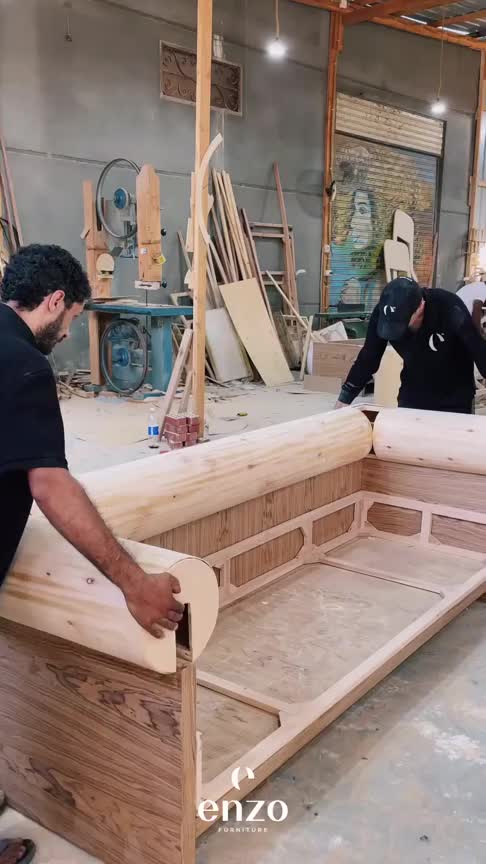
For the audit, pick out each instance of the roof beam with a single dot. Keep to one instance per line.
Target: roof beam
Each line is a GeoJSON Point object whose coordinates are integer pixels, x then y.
{"type": "Point", "coordinates": [430, 32]}
{"type": "Point", "coordinates": [392, 7]}
{"type": "Point", "coordinates": [425, 30]}
{"type": "Point", "coordinates": [330, 5]}
{"type": "Point", "coordinates": [458, 19]}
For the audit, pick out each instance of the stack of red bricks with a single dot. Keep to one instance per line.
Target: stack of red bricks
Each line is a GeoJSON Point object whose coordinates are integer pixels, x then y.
{"type": "Point", "coordinates": [181, 430]}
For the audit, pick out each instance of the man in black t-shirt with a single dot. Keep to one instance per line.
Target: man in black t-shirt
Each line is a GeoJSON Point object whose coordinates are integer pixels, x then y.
{"type": "Point", "coordinates": [43, 290]}
{"type": "Point", "coordinates": [434, 334]}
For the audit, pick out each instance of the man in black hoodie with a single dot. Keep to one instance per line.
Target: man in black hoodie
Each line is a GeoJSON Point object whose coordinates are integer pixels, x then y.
{"type": "Point", "coordinates": [434, 334]}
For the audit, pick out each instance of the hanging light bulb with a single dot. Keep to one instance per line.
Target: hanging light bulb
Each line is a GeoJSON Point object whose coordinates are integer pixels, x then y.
{"type": "Point", "coordinates": [438, 107]}
{"type": "Point", "coordinates": [276, 49]}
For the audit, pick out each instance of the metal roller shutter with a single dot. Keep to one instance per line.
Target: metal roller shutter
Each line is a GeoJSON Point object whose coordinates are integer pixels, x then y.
{"type": "Point", "coordinates": [373, 180]}
{"type": "Point", "coordinates": [387, 125]}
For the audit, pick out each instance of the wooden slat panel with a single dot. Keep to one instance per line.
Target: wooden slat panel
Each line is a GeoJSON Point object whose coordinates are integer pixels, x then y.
{"type": "Point", "coordinates": [395, 520]}
{"type": "Point", "coordinates": [96, 750]}
{"type": "Point", "coordinates": [457, 532]}
{"type": "Point", "coordinates": [268, 556]}
{"type": "Point", "coordinates": [332, 526]}
{"type": "Point", "coordinates": [431, 485]}
{"type": "Point", "coordinates": [223, 529]}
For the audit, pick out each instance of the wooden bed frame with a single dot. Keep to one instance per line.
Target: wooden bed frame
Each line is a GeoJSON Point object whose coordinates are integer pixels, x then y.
{"type": "Point", "coordinates": [326, 585]}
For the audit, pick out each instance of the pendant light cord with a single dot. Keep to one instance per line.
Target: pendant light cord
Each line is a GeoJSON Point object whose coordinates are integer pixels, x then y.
{"type": "Point", "coordinates": [277, 19]}
{"type": "Point", "coordinates": [441, 64]}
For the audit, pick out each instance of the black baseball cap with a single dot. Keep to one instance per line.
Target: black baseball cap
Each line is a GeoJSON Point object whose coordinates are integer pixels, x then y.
{"type": "Point", "coordinates": [400, 299]}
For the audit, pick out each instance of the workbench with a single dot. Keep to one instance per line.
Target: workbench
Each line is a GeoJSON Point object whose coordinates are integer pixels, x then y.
{"type": "Point", "coordinates": [160, 319]}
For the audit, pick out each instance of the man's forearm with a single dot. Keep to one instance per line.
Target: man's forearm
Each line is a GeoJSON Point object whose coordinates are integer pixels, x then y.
{"type": "Point", "coordinates": [66, 505]}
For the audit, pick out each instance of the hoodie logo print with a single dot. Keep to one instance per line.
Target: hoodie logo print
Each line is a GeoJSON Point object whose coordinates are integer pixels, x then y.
{"type": "Point", "coordinates": [439, 336]}
{"type": "Point", "coordinates": [391, 308]}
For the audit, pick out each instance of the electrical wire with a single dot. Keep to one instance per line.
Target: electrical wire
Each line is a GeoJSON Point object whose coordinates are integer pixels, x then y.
{"type": "Point", "coordinates": [277, 19]}
{"type": "Point", "coordinates": [441, 63]}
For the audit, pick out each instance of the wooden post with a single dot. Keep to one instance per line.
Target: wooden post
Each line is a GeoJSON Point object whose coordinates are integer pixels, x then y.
{"type": "Point", "coordinates": [148, 225]}
{"type": "Point", "coordinates": [335, 48]}
{"type": "Point", "coordinates": [203, 129]}
{"type": "Point", "coordinates": [475, 179]}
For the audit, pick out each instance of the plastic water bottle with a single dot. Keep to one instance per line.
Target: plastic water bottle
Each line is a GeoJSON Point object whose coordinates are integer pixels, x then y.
{"type": "Point", "coordinates": [153, 429]}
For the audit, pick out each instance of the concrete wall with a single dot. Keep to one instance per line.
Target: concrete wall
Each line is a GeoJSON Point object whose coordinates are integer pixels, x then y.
{"type": "Point", "coordinates": [66, 108]}
{"type": "Point", "coordinates": [402, 69]}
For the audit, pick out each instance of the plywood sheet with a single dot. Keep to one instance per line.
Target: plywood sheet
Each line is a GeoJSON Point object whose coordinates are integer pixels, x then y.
{"type": "Point", "coordinates": [293, 640]}
{"type": "Point", "coordinates": [229, 729]}
{"type": "Point", "coordinates": [458, 532]}
{"type": "Point", "coordinates": [332, 526]}
{"type": "Point", "coordinates": [224, 348]}
{"type": "Point", "coordinates": [395, 520]}
{"type": "Point", "coordinates": [407, 560]}
{"type": "Point", "coordinates": [250, 318]}
{"type": "Point", "coordinates": [431, 485]}
{"type": "Point", "coordinates": [227, 527]}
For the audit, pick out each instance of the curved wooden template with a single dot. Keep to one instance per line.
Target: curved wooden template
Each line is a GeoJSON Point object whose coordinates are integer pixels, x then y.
{"type": "Point", "coordinates": [433, 439]}
{"type": "Point", "coordinates": [200, 177]}
{"type": "Point", "coordinates": [53, 588]}
{"type": "Point", "coordinates": [142, 499]}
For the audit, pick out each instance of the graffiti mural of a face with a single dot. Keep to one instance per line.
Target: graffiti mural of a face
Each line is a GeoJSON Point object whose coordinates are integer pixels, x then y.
{"type": "Point", "coordinates": [361, 226]}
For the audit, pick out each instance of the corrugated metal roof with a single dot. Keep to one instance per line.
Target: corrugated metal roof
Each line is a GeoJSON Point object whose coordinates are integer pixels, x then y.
{"type": "Point", "coordinates": [475, 27]}
{"type": "Point", "coordinates": [452, 10]}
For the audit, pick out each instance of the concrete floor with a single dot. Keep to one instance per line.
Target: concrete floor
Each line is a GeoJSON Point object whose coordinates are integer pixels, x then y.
{"type": "Point", "coordinates": [400, 777]}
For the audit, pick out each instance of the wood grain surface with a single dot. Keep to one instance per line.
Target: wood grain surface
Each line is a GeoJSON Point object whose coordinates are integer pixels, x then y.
{"type": "Point", "coordinates": [98, 750]}
{"type": "Point", "coordinates": [458, 532]}
{"type": "Point", "coordinates": [431, 485]}
{"type": "Point", "coordinates": [266, 557]}
{"type": "Point", "coordinates": [332, 526]}
{"type": "Point", "coordinates": [213, 533]}
{"type": "Point", "coordinates": [395, 520]}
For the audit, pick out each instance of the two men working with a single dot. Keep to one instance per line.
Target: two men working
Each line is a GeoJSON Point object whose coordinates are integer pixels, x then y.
{"type": "Point", "coordinates": [44, 290]}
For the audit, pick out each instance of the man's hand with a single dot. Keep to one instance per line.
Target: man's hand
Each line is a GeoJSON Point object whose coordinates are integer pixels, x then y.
{"type": "Point", "coordinates": [150, 598]}
{"type": "Point", "coordinates": [152, 603]}
{"type": "Point", "coordinates": [340, 405]}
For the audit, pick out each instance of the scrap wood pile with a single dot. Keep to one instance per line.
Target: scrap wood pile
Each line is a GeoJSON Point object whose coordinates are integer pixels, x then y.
{"type": "Point", "coordinates": [10, 228]}
{"type": "Point", "coordinates": [243, 333]}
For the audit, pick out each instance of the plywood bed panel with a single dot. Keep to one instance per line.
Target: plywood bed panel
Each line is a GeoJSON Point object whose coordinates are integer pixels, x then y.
{"type": "Point", "coordinates": [426, 564]}
{"type": "Point", "coordinates": [293, 640]}
{"type": "Point", "coordinates": [229, 729]}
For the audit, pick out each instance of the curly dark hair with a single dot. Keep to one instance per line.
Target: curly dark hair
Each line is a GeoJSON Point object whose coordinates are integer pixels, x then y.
{"type": "Point", "coordinates": [37, 271]}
